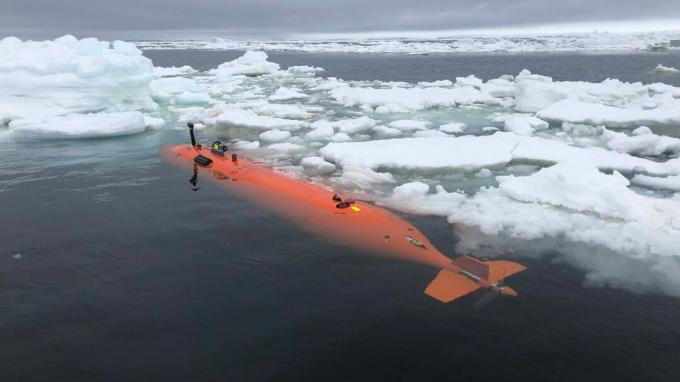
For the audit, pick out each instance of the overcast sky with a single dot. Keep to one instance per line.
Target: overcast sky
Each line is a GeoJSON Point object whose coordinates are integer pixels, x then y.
{"type": "Point", "coordinates": [281, 18]}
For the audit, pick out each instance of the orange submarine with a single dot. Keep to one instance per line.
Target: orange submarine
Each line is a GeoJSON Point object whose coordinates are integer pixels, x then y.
{"type": "Point", "coordinates": [353, 223]}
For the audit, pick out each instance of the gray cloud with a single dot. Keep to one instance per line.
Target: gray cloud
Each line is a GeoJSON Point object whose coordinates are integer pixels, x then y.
{"type": "Point", "coordinates": [189, 18]}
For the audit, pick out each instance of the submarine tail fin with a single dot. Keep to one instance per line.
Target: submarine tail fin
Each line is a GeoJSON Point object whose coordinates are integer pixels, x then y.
{"type": "Point", "coordinates": [448, 286]}
{"type": "Point", "coordinates": [500, 269]}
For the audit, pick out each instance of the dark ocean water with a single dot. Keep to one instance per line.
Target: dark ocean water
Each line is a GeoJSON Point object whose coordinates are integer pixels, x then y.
{"type": "Point", "coordinates": [125, 274]}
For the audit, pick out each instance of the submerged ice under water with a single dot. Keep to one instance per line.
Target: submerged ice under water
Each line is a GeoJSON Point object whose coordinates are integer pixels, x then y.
{"type": "Point", "coordinates": [516, 164]}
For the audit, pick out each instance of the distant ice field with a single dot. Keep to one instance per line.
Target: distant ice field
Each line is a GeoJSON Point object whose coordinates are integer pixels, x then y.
{"type": "Point", "coordinates": [595, 41]}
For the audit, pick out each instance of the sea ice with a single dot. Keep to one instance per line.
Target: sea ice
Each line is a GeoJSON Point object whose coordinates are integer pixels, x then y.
{"type": "Point", "coordinates": [522, 124]}
{"type": "Point", "coordinates": [574, 111]}
{"type": "Point", "coordinates": [284, 94]}
{"type": "Point", "coordinates": [315, 166]}
{"type": "Point", "coordinates": [77, 125]}
{"type": "Point", "coordinates": [475, 152]}
{"type": "Point", "coordinates": [231, 117]}
{"type": "Point", "coordinates": [452, 127]}
{"type": "Point", "coordinates": [252, 63]}
{"type": "Point", "coordinates": [40, 79]}
{"type": "Point", "coordinates": [665, 69]}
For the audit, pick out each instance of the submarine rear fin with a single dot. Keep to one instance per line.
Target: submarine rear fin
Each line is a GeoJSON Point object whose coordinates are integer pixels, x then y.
{"type": "Point", "coordinates": [448, 286]}
{"type": "Point", "coordinates": [500, 269]}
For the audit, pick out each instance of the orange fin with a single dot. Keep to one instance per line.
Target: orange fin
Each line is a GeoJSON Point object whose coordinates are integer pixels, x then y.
{"type": "Point", "coordinates": [448, 286]}
{"type": "Point", "coordinates": [499, 269]}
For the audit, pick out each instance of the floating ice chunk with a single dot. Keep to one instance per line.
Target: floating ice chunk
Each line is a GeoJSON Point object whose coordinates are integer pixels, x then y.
{"type": "Point", "coordinates": [286, 147]}
{"type": "Point", "coordinates": [581, 130]}
{"type": "Point", "coordinates": [82, 125]}
{"type": "Point", "coordinates": [452, 127]}
{"type": "Point", "coordinates": [470, 80]}
{"type": "Point", "coordinates": [190, 98]}
{"type": "Point", "coordinates": [252, 63]}
{"type": "Point", "coordinates": [499, 87]}
{"type": "Point", "coordinates": [575, 111]}
{"type": "Point", "coordinates": [304, 70]}
{"type": "Point", "coordinates": [247, 145]}
{"type": "Point", "coordinates": [340, 137]}
{"type": "Point", "coordinates": [580, 203]}
{"type": "Point", "coordinates": [40, 79]}
{"type": "Point", "coordinates": [413, 198]}
{"type": "Point", "coordinates": [474, 153]}
{"type": "Point", "coordinates": [321, 130]}
{"type": "Point", "coordinates": [643, 142]}
{"type": "Point", "coordinates": [153, 122]}
{"type": "Point", "coordinates": [667, 183]}
{"type": "Point", "coordinates": [316, 166]}
{"type": "Point", "coordinates": [665, 69]}
{"type": "Point", "coordinates": [523, 124]}
{"type": "Point", "coordinates": [409, 125]}
{"type": "Point", "coordinates": [283, 111]}
{"type": "Point", "coordinates": [578, 188]}
{"type": "Point", "coordinates": [422, 153]}
{"type": "Point", "coordinates": [387, 132]}
{"type": "Point", "coordinates": [429, 133]}
{"type": "Point", "coordinates": [354, 125]}
{"type": "Point", "coordinates": [398, 99]}
{"type": "Point", "coordinates": [436, 84]}
{"type": "Point", "coordinates": [273, 136]}
{"type": "Point", "coordinates": [231, 117]}
{"type": "Point", "coordinates": [365, 178]}
{"type": "Point", "coordinates": [284, 93]}
{"type": "Point", "coordinates": [166, 87]}
{"type": "Point", "coordinates": [484, 173]}
{"type": "Point", "coordinates": [527, 75]}
{"type": "Point", "coordinates": [172, 71]}
{"type": "Point", "coordinates": [533, 95]}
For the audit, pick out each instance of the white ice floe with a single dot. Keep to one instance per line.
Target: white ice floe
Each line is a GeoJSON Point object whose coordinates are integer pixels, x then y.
{"type": "Point", "coordinates": [252, 63]}
{"type": "Point", "coordinates": [470, 153]}
{"type": "Point", "coordinates": [304, 70]}
{"type": "Point", "coordinates": [643, 142]}
{"type": "Point", "coordinates": [283, 111]}
{"type": "Point", "coordinates": [522, 124]}
{"type": "Point", "coordinates": [247, 145]}
{"type": "Point", "coordinates": [315, 166]}
{"type": "Point", "coordinates": [77, 125]}
{"type": "Point", "coordinates": [286, 147]}
{"type": "Point", "coordinates": [173, 71]}
{"type": "Point", "coordinates": [364, 178]}
{"type": "Point", "coordinates": [398, 99]}
{"type": "Point", "coordinates": [178, 90]}
{"type": "Point", "coordinates": [273, 136]}
{"type": "Point", "coordinates": [667, 183]}
{"type": "Point", "coordinates": [67, 75]}
{"type": "Point", "coordinates": [353, 125]}
{"type": "Point", "coordinates": [470, 80]}
{"type": "Point", "coordinates": [575, 111]}
{"type": "Point", "coordinates": [452, 127]}
{"type": "Point", "coordinates": [284, 94]}
{"type": "Point", "coordinates": [228, 117]}
{"type": "Point", "coordinates": [387, 132]}
{"type": "Point", "coordinates": [436, 84]}
{"type": "Point", "coordinates": [409, 125]}
{"type": "Point", "coordinates": [665, 69]}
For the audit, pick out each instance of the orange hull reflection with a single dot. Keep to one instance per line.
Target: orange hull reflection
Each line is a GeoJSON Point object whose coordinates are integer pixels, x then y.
{"type": "Point", "coordinates": [355, 224]}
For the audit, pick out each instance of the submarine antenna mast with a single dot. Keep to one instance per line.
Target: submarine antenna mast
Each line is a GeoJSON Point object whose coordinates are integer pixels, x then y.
{"type": "Point", "coordinates": [190, 125]}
